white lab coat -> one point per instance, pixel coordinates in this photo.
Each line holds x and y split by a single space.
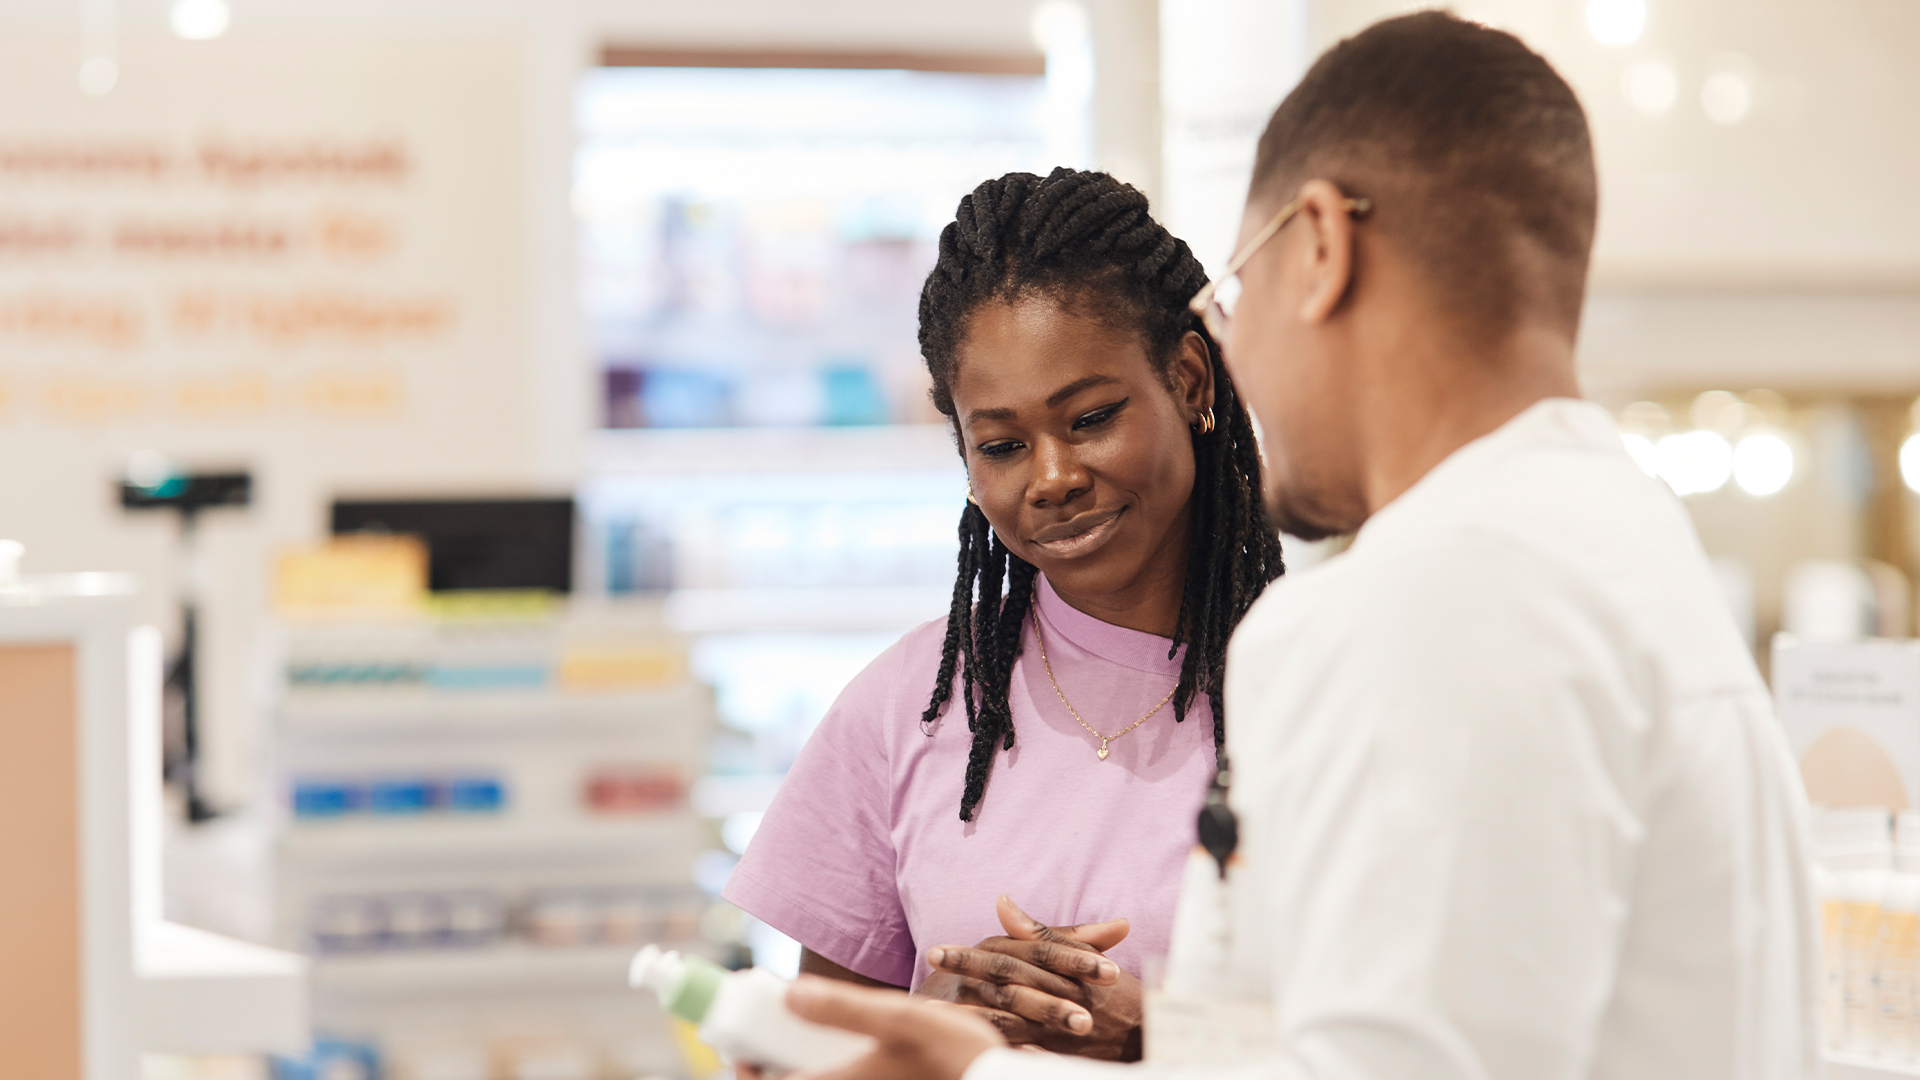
1513 802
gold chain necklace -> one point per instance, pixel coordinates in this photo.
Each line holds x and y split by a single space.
1104 739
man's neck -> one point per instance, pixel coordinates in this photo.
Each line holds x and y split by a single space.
1439 396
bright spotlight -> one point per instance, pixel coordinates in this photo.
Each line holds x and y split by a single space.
1651 87
1058 24
199 20
1762 463
1726 97
1694 462
1640 449
1616 22
1910 462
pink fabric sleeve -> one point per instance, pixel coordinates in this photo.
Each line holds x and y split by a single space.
821 868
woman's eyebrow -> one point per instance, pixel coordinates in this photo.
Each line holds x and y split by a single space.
1053 399
977 415
1076 386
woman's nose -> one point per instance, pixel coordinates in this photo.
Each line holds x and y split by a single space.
1058 477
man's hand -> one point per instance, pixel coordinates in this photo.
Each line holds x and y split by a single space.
1046 986
918 1039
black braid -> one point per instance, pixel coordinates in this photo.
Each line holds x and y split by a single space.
1084 238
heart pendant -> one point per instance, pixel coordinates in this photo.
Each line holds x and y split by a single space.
1102 752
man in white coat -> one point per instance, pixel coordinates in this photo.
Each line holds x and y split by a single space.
1512 804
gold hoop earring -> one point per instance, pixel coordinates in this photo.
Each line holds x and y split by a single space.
1206 422
970 497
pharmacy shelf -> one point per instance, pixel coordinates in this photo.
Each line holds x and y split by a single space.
410 843
885 448
1855 1067
516 966
357 713
704 611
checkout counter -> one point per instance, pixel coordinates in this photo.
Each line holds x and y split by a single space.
94 976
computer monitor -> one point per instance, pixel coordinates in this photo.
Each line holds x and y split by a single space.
476 543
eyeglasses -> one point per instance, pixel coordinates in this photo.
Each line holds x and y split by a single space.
1215 302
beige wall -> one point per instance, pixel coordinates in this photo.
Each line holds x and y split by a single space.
1781 251
1813 187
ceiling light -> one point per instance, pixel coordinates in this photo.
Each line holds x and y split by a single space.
1726 97
1718 410
1646 417
1058 24
1651 87
1762 463
1695 462
1616 22
199 20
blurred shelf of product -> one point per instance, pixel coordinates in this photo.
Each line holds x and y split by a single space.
532 715
753 240
521 966
1850 706
927 447
489 801
698 611
857 531
456 843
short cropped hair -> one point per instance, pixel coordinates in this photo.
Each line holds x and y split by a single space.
1473 149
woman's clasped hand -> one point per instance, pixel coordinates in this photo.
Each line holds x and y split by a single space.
1045 986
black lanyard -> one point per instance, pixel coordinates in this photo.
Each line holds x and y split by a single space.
1219 828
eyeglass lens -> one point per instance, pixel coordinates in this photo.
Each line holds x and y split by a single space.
1227 294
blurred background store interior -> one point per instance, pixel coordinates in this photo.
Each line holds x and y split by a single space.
613 303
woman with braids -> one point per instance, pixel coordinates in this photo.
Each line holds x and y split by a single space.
1051 739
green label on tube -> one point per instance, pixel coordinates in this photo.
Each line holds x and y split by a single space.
693 995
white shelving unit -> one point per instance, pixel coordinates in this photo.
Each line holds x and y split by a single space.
500 844
532 714
697 611
680 452
542 745
1853 1067
528 967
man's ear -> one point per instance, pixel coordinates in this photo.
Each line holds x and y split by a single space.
1192 374
1324 249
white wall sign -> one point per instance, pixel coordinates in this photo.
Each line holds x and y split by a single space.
299 255
1871 687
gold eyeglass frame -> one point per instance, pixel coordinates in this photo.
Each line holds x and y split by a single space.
1212 314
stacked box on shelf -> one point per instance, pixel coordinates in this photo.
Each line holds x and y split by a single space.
483 818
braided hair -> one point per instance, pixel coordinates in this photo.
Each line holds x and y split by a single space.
1085 239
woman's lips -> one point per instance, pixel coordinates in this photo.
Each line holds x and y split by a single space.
1086 538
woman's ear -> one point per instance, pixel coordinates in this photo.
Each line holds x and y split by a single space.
1192 374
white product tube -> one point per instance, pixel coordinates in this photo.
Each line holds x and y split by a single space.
743 1014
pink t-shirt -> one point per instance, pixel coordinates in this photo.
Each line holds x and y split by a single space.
863 857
